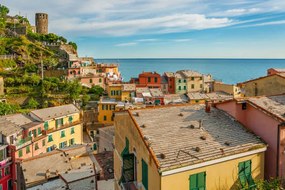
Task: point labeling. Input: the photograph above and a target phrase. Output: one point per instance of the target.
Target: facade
(157, 96)
(1, 86)
(156, 149)
(265, 117)
(106, 109)
(5, 168)
(164, 85)
(42, 23)
(170, 77)
(150, 79)
(264, 86)
(90, 80)
(128, 92)
(115, 91)
(180, 84)
(227, 88)
(194, 80)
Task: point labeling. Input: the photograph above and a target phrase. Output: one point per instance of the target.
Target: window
(201, 85)
(36, 146)
(51, 148)
(62, 144)
(144, 174)
(50, 139)
(148, 79)
(244, 174)
(179, 87)
(28, 150)
(70, 119)
(90, 81)
(62, 134)
(198, 181)
(71, 141)
(155, 79)
(44, 142)
(7, 171)
(39, 131)
(201, 78)
(192, 78)
(170, 86)
(100, 80)
(184, 87)
(59, 122)
(2, 154)
(72, 130)
(46, 125)
(1, 175)
(20, 153)
(179, 81)
(184, 80)
(192, 86)
(35, 133)
(94, 146)
(105, 118)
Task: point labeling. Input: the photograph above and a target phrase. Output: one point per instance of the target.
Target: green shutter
(126, 149)
(241, 174)
(72, 130)
(202, 181)
(50, 138)
(70, 119)
(193, 182)
(144, 174)
(94, 146)
(39, 131)
(46, 125)
(20, 153)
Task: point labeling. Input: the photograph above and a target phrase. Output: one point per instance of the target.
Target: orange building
(170, 77)
(150, 79)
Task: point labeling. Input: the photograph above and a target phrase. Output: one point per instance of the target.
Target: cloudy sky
(165, 28)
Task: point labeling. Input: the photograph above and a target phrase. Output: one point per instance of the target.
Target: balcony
(23, 142)
(67, 125)
(5, 161)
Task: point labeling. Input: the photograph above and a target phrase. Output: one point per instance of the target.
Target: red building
(171, 82)
(5, 169)
(150, 79)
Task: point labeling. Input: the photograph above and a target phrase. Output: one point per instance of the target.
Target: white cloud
(182, 40)
(126, 44)
(147, 40)
(279, 22)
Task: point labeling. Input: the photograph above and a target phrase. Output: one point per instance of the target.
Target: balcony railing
(45, 132)
(23, 142)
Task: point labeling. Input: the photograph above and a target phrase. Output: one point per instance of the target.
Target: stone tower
(42, 23)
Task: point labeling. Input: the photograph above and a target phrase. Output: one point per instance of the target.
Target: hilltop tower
(42, 23)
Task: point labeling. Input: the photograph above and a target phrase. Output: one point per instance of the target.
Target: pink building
(90, 80)
(265, 116)
(5, 169)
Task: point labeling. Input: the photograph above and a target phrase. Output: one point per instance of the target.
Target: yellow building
(228, 88)
(264, 86)
(114, 91)
(62, 126)
(182, 148)
(128, 91)
(106, 108)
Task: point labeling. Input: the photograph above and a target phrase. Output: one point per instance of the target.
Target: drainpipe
(278, 147)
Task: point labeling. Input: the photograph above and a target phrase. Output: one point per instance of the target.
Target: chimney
(208, 106)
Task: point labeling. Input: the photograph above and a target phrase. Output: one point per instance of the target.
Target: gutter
(212, 162)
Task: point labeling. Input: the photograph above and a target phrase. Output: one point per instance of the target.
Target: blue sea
(230, 71)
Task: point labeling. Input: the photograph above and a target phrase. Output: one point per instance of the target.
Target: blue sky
(165, 29)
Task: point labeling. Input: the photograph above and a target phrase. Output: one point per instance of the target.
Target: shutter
(247, 166)
(193, 182)
(145, 174)
(241, 174)
(201, 180)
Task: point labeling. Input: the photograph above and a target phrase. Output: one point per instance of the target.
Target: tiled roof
(142, 89)
(156, 92)
(274, 105)
(279, 69)
(175, 98)
(169, 74)
(214, 96)
(181, 136)
(11, 124)
(190, 73)
(267, 76)
(55, 112)
(128, 87)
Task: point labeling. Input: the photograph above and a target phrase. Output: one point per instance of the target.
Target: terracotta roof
(156, 92)
(274, 105)
(190, 73)
(55, 112)
(169, 74)
(180, 136)
(175, 98)
(214, 96)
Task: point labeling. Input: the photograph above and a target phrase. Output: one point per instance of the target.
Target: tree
(30, 68)
(9, 81)
(73, 89)
(8, 108)
(3, 13)
(98, 90)
(85, 99)
(32, 104)
(73, 44)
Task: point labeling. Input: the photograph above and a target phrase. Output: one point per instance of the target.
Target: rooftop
(186, 135)
(169, 74)
(190, 73)
(107, 100)
(274, 105)
(156, 92)
(55, 112)
(214, 96)
(175, 98)
(281, 70)
(128, 87)
(142, 89)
